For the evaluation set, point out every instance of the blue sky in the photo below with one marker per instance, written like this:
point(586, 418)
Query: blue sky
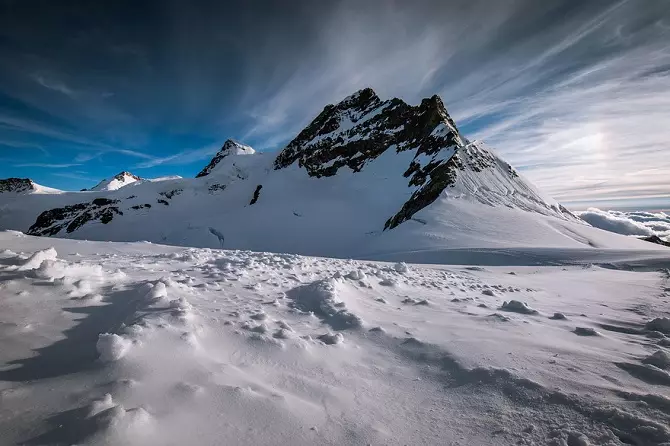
point(576, 95)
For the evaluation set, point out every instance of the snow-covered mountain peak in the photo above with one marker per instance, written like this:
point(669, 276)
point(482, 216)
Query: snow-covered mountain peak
point(116, 182)
point(230, 149)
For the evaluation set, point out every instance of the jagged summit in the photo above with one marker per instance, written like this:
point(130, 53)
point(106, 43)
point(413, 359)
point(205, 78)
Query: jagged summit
point(362, 127)
point(116, 182)
point(230, 148)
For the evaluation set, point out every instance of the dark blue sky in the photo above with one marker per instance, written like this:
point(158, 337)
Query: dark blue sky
point(575, 94)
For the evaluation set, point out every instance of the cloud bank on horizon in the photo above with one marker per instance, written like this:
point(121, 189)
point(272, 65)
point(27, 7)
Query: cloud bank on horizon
point(574, 94)
point(637, 223)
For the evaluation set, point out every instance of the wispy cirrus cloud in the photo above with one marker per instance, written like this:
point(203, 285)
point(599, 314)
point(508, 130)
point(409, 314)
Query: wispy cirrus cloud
point(182, 158)
point(53, 84)
point(48, 165)
point(76, 176)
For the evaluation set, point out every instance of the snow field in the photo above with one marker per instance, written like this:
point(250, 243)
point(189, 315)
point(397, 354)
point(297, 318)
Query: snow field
point(204, 346)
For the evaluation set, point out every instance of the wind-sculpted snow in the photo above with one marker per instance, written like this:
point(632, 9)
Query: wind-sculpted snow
point(135, 344)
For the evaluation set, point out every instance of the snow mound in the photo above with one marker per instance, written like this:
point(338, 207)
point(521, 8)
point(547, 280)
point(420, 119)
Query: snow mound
point(112, 347)
point(36, 259)
point(321, 298)
point(659, 358)
point(516, 306)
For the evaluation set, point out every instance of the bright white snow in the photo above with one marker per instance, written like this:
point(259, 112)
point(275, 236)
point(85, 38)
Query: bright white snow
point(137, 344)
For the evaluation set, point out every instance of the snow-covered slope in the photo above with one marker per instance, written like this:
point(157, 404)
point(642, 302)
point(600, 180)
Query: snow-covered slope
point(366, 178)
point(23, 186)
point(140, 344)
point(116, 182)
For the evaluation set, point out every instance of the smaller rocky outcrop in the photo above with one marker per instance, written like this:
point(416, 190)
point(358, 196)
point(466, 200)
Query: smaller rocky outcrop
point(73, 217)
point(257, 193)
point(16, 185)
point(656, 239)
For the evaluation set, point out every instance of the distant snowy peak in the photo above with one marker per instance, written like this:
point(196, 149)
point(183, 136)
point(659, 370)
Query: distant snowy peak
point(117, 181)
point(24, 186)
point(230, 150)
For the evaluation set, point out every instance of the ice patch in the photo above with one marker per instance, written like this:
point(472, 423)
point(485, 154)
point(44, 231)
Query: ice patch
point(112, 347)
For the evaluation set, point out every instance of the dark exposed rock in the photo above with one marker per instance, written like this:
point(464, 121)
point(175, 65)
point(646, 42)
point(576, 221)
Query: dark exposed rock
point(566, 212)
point(216, 187)
point(103, 201)
point(330, 142)
point(16, 185)
point(141, 206)
point(257, 193)
point(656, 239)
point(73, 217)
point(171, 193)
point(161, 201)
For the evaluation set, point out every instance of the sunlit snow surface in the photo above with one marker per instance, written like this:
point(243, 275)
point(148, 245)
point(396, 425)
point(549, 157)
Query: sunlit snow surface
point(142, 344)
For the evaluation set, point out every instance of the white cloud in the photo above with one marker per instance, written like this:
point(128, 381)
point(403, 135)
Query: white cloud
point(637, 223)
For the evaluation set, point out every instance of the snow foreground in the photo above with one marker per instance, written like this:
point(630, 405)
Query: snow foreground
point(141, 344)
